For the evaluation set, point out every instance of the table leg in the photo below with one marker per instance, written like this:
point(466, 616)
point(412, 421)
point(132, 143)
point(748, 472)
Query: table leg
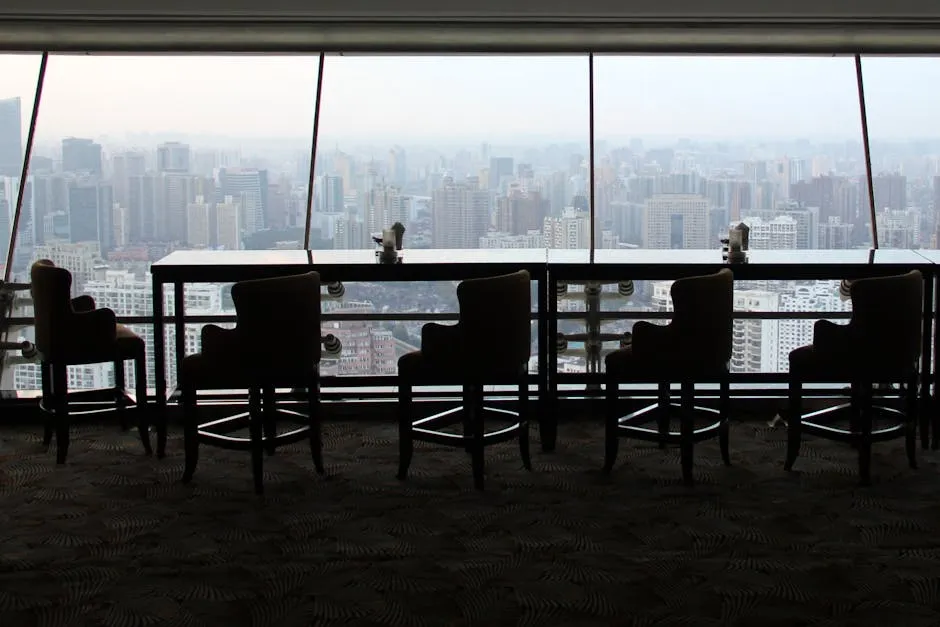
point(179, 315)
point(546, 428)
point(549, 427)
point(159, 370)
point(928, 398)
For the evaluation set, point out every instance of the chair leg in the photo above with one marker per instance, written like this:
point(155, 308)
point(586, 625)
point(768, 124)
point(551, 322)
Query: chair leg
point(120, 388)
point(313, 411)
point(524, 423)
point(912, 405)
point(794, 422)
point(255, 428)
point(662, 414)
point(611, 423)
point(855, 413)
point(143, 409)
point(467, 395)
point(60, 393)
point(269, 420)
point(48, 404)
point(724, 427)
point(928, 414)
point(865, 415)
point(687, 428)
point(405, 443)
point(476, 439)
point(190, 431)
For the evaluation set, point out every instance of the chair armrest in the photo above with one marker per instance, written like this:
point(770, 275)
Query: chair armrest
point(440, 342)
point(653, 339)
point(82, 304)
point(95, 327)
point(217, 340)
point(833, 339)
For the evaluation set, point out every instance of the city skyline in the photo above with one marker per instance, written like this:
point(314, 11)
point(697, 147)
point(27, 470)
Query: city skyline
point(465, 98)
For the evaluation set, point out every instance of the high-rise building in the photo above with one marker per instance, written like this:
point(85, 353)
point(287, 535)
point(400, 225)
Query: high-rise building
point(83, 213)
point(777, 234)
point(386, 205)
point(173, 157)
point(348, 233)
point(397, 167)
point(81, 155)
point(144, 199)
point(520, 212)
point(249, 187)
point(677, 221)
point(11, 137)
point(229, 224)
point(834, 234)
point(459, 214)
point(328, 194)
point(197, 224)
point(121, 224)
point(124, 165)
point(571, 231)
point(501, 171)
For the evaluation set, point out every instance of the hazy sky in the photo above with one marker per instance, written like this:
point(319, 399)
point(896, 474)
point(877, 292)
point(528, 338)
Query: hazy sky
point(478, 98)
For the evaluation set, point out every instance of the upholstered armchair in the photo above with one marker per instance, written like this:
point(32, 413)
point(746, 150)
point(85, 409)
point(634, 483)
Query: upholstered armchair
point(695, 347)
point(881, 344)
point(72, 331)
point(275, 344)
point(490, 344)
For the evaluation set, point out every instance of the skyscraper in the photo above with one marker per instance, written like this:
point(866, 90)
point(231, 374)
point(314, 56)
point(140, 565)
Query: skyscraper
point(677, 221)
point(459, 214)
point(173, 157)
point(11, 137)
point(81, 155)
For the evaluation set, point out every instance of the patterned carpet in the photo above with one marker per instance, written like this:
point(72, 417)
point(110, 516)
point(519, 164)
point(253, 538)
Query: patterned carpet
point(113, 538)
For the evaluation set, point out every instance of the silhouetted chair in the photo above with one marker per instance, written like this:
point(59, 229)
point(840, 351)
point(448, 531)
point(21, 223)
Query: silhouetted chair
point(695, 347)
point(275, 344)
point(70, 332)
point(881, 344)
point(490, 344)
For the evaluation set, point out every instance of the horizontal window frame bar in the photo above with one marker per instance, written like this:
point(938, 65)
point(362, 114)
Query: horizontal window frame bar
point(242, 34)
point(410, 317)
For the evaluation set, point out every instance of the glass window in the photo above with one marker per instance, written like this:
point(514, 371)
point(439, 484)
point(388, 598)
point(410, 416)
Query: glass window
point(901, 110)
point(138, 156)
point(466, 152)
point(688, 146)
point(18, 77)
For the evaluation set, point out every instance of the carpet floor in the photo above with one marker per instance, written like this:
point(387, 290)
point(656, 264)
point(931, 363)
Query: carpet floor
point(112, 538)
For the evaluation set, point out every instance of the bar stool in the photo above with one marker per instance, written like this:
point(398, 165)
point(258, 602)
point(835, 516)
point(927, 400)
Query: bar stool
point(881, 344)
point(70, 332)
point(490, 344)
point(275, 343)
point(695, 347)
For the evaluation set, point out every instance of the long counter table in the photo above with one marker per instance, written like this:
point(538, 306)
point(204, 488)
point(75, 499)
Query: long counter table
point(547, 267)
point(181, 267)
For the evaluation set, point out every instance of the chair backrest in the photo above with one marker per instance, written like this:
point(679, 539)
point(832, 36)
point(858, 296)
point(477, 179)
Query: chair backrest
point(51, 289)
point(887, 319)
point(704, 315)
point(495, 322)
point(278, 321)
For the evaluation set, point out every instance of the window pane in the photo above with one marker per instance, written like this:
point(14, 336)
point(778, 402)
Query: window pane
point(18, 76)
point(902, 127)
point(689, 146)
point(138, 156)
point(463, 151)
